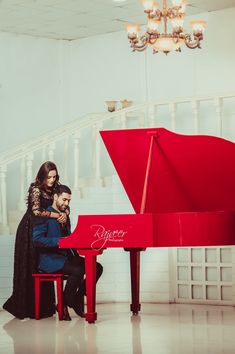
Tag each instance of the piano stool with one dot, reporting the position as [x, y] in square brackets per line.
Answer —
[41, 277]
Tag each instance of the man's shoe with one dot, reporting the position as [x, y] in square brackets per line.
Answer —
[66, 316]
[79, 309]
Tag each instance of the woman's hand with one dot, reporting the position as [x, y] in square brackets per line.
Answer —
[62, 218]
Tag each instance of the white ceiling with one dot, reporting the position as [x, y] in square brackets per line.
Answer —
[74, 19]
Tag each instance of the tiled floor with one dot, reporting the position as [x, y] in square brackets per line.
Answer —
[162, 329]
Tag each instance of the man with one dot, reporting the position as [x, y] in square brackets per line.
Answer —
[66, 261]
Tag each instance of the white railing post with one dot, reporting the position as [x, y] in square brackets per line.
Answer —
[29, 170]
[51, 151]
[123, 120]
[142, 117]
[96, 153]
[218, 108]
[21, 203]
[4, 221]
[172, 110]
[76, 142]
[195, 108]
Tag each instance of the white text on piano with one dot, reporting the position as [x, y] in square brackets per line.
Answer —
[103, 236]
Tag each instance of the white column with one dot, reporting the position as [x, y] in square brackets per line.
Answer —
[76, 142]
[21, 203]
[51, 151]
[4, 223]
[96, 153]
[29, 170]
[218, 108]
[172, 110]
[195, 108]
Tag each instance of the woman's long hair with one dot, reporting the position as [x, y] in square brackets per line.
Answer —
[40, 180]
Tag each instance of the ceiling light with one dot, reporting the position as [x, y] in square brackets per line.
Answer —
[165, 41]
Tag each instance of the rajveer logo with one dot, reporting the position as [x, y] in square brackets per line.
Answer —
[103, 236]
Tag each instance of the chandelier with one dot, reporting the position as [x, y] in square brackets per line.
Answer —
[166, 41]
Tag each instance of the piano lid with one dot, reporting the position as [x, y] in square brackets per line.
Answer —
[187, 172]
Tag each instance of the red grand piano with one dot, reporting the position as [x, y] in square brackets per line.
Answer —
[182, 189]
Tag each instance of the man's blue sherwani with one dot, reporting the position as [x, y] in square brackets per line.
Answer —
[46, 237]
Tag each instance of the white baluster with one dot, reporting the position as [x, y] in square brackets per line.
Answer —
[218, 108]
[96, 135]
[143, 118]
[21, 203]
[51, 151]
[5, 227]
[172, 110]
[29, 171]
[123, 120]
[195, 108]
[77, 137]
[151, 115]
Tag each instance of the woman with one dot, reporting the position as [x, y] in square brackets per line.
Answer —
[40, 196]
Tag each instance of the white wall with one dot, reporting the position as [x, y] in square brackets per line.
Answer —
[31, 87]
[44, 83]
[197, 72]
[104, 67]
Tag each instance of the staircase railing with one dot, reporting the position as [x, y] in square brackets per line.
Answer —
[77, 149]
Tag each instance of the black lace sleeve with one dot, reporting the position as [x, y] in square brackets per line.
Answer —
[35, 202]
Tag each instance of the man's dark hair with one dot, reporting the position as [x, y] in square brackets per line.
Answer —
[61, 188]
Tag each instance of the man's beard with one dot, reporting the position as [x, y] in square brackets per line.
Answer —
[60, 207]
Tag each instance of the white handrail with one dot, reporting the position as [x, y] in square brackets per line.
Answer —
[88, 120]
[59, 133]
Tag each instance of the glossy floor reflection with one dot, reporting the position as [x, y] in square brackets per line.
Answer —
[163, 329]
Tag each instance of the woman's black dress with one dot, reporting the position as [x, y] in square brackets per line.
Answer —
[21, 302]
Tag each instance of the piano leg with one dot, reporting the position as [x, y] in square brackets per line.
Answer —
[135, 279]
[90, 270]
